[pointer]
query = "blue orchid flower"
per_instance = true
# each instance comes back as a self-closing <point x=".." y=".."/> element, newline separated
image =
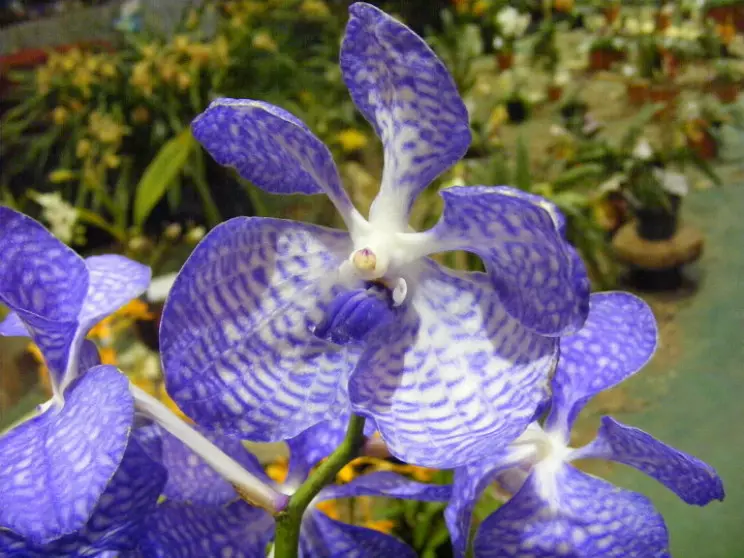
<point x="55" y="466"/>
<point x="556" y="509"/>
<point x="117" y="523"/>
<point x="202" y="516"/>
<point x="273" y="325"/>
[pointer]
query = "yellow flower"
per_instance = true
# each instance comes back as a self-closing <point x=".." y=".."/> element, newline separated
<point x="314" y="8"/>
<point x="351" y="139"/>
<point x="381" y="525"/>
<point x="184" y="80"/>
<point x="142" y="77"/>
<point x="181" y="43"/>
<point x="111" y="160"/>
<point x="61" y="175"/>
<point x="136" y="309"/>
<point x="83" y="79"/>
<point x="221" y="50"/>
<point x="199" y="53"/>
<point x="104" y="127"/>
<point x="82" y="148"/>
<point x="43" y="80"/>
<point x="329" y="508"/>
<point x="72" y="59"/>
<point x="192" y="21"/>
<point x="43" y="370"/>
<point x="263" y="41"/>
<point x="168" y="69"/>
<point x="59" y="115"/>
<point x="480" y="7"/>
<point x="108" y="356"/>
<point x="149" y="51"/>
<point x="92" y="63"/>
<point x="497" y="117"/>
<point x="277" y="471"/>
<point x="108" y="70"/>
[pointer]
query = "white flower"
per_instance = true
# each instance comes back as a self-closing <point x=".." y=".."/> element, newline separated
<point x="628" y="70"/>
<point x="673" y="182"/>
<point x="648" y="27"/>
<point x="562" y="77"/>
<point x="643" y="150"/>
<point x="632" y="26"/>
<point x="612" y="184"/>
<point x="512" y="23"/>
<point x="60" y="215"/>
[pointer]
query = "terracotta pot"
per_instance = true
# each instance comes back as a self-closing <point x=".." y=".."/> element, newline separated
<point x="724" y="14"/>
<point x="611" y="13"/>
<point x="603" y="59"/>
<point x="663" y="21"/>
<point x="505" y="60"/>
<point x="670" y="63"/>
<point x="637" y="93"/>
<point x="555" y="92"/>
<point x="664" y="94"/>
<point x="706" y="147"/>
<point x="727" y="93"/>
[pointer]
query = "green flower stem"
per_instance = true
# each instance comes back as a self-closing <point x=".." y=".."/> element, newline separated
<point x="288" y="521"/>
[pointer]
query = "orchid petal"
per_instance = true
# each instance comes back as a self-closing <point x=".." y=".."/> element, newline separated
<point x="89" y="356"/>
<point x="236" y="337"/>
<point x="469" y="483"/>
<point x="538" y="276"/>
<point x="114" y="281"/>
<point x="411" y="100"/>
<point x="618" y="339"/>
<point x="355" y="315"/>
<point x="313" y="445"/>
<point x="117" y="522"/>
<point x="44" y="282"/>
<point x="691" y="479"/>
<point x="457" y="376"/>
<point x="56" y="465"/>
<point x="181" y="531"/>
<point x="13" y="326"/>
<point x="272" y="148"/>
<point x="322" y="536"/>
<point x="192" y="480"/>
<point x="585" y="517"/>
<point x="387" y="484"/>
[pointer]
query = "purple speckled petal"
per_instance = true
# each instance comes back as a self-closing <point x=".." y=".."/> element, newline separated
<point x="355" y="315"/>
<point x="191" y="480"/>
<point x="12" y="326"/>
<point x="536" y="273"/>
<point x="44" y="282"/>
<point x="182" y="531"/>
<point x="326" y="537"/>
<point x="387" y="484"/>
<point x="586" y="517"/>
<point x="411" y="100"/>
<point x="89" y="356"/>
<point x="236" y="335"/>
<point x="469" y="483"/>
<point x="114" y="281"/>
<point x="270" y="147"/>
<point x="313" y="445"/>
<point x="117" y="522"/>
<point x="691" y="479"/>
<point x="618" y="338"/>
<point x="457" y="378"/>
<point x="55" y="466"/>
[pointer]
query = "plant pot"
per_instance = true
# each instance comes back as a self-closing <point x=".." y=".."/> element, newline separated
<point x="611" y="13"/>
<point x="663" y="21"/>
<point x="727" y="93"/>
<point x="555" y="92"/>
<point x="637" y="93"/>
<point x="724" y="14"/>
<point x="602" y="59"/>
<point x="505" y="60"/>
<point x="668" y="96"/>
<point x="656" y="280"/>
<point x="706" y="147"/>
<point x="658" y="223"/>
<point x="517" y="111"/>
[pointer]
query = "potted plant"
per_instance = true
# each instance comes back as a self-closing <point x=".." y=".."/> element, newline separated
<point x="510" y="26"/>
<point x="605" y="51"/>
<point x="726" y="12"/>
<point x="727" y="81"/>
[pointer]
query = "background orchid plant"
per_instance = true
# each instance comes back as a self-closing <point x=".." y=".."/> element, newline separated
<point x="276" y="330"/>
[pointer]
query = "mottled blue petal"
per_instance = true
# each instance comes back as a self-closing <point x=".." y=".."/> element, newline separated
<point x="191" y="480"/>
<point x="12" y="326"/>
<point x="691" y="479"/>
<point x="182" y="531"/>
<point x="469" y="483"/>
<point x="539" y="278"/>
<point x="326" y="537"/>
<point x="44" y="281"/>
<point x="618" y="338"/>
<point x="113" y="281"/>
<point x="313" y="445"/>
<point x="355" y="315"/>
<point x="457" y="378"/>
<point x="411" y="100"/>
<point x="270" y="147"/>
<point x="387" y="484"/>
<point x="584" y="517"/>
<point x="55" y="466"/>
<point x="89" y="356"/>
<point x="237" y="338"/>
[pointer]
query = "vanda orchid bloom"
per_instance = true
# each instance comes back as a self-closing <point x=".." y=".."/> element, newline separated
<point x="201" y="516"/>
<point x="56" y="467"/>
<point x="273" y="326"/>
<point x="557" y="510"/>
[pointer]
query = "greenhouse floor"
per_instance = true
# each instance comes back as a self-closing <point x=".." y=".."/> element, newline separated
<point x="690" y="396"/>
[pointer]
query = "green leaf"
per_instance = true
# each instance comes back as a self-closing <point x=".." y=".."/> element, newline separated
<point x="581" y="173"/>
<point x="522" y="175"/>
<point x="161" y="173"/>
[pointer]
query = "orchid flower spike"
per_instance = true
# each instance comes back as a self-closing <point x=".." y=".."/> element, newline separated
<point x="557" y="510"/>
<point x="273" y="326"/>
<point x="201" y="516"/>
